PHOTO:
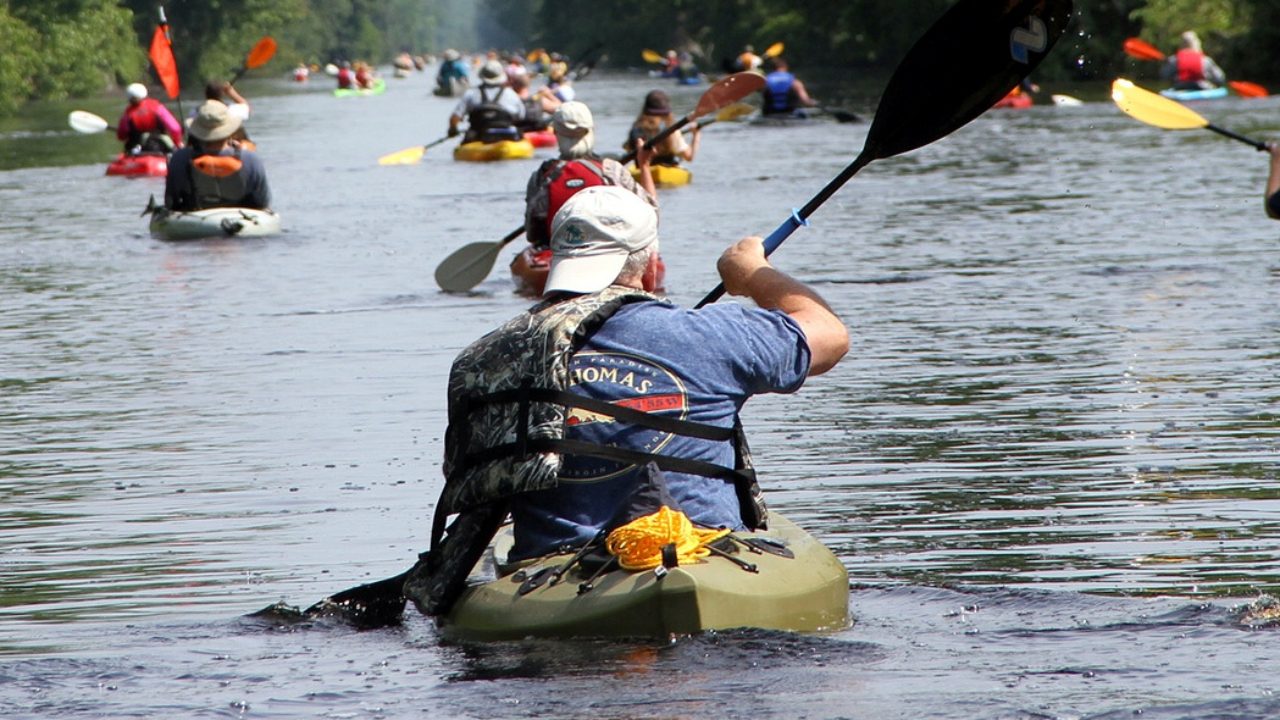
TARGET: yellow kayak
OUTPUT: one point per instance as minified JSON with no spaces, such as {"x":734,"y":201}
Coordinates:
{"x":667,"y":176}
{"x":486,"y":152}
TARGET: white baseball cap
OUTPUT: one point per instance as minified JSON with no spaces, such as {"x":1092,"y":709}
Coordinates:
{"x":574,"y":129}
{"x":593,"y":233}
{"x":137,"y":91}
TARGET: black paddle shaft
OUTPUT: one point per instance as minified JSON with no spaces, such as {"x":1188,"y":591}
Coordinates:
{"x":932,"y":93}
{"x":1260,"y":146}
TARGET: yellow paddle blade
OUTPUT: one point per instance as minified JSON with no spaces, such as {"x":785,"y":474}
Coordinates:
{"x":407,"y":156}
{"x":735,"y":111}
{"x":1154,"y":109}
{"x":651,"y":56}
{"x":774,"y":50}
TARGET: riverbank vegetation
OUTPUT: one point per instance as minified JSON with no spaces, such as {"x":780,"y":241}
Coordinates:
{"x":72,"y":48}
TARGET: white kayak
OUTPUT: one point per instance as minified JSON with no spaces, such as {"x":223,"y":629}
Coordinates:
{"x":213,"y":223}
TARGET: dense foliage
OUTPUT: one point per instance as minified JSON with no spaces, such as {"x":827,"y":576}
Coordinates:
{"x":61,"y":48}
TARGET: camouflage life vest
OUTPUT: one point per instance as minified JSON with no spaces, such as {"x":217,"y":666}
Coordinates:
{"x":509,"y":401}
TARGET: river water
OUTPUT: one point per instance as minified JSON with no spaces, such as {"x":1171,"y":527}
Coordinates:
{"x":1049,"y":462}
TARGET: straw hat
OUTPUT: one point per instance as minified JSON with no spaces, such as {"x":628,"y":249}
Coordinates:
{"x":214,"y":121}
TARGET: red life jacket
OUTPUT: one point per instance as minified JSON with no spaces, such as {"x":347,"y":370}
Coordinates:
{"x":143,"y":118}
{"x":1190,"y":66}
{"x":569,"y":178}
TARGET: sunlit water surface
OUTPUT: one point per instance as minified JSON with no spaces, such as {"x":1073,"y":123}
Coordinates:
{"x":1049,"y":462}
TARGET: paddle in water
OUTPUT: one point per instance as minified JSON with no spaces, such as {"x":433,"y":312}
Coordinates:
{"x":1001,"y":43}
{"x":410,"y":156}
{"x":1162,"y":112}
{"x":469,"y":265}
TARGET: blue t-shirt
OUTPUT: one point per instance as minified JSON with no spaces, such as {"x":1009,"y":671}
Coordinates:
{"x":696,"y":365}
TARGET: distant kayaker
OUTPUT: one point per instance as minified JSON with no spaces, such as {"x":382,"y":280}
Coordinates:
{"x":537,"y":109}
{"x":523,"y":439}
{"x":346,"y":77}
{"x":558,"y":88}
{"x":491,"y":110}
{"x":453,"y":77}
{"x":655,"y":116}
{"x":784,"y":94}
{"x":301,"y":72}
{"x":146,"y":124}
{"x":1272,"y":194}
{"x":577,"y":168}
{"x":748,"y":60}
{"x":213,"y":172}
{"x":1190,"y":68}
{"x":364,"y":75}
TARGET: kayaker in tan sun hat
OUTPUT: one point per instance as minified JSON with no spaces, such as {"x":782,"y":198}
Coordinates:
{"x":212,"y":172}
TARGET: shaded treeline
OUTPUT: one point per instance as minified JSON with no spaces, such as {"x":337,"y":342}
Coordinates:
{"x":1244,"y":35}
{"x":53,"y":49}
{"x":69,"y":48}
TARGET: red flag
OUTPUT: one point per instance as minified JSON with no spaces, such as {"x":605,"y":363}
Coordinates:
{"x":162,"y":60}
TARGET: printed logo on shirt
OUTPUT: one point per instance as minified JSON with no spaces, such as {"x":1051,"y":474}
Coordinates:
{"x":628,"y":381}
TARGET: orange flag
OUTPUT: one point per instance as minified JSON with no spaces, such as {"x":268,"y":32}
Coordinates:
{"x":162,"y":59}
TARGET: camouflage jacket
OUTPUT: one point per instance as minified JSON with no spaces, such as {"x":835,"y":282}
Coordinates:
{"x":509,"y":401}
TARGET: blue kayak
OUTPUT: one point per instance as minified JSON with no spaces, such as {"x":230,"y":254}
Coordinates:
{"x":1206,"y":94}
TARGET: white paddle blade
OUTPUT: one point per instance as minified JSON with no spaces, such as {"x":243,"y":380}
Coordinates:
{"x":1066,"y":101}
{"x":86,"y":122}
{"x":467,"y":267}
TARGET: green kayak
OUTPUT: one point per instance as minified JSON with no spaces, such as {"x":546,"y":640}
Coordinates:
{"x":780,"y":579}
{"x":379,"y":86}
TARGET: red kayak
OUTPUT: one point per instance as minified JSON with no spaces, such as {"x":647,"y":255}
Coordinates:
{"x":1018,"y":101}
{"x":541,"y":138}
{"x":529,"y":271}
{"x":140,"y":165}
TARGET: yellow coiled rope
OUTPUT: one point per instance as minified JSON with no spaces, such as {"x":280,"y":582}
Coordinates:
{"x":638,"y":544}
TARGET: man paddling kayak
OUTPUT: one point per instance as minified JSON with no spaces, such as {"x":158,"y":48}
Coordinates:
{"x":555,"y":415}
{"x":147,"y":125}
{"x":213,"y":172}
{"x":491,"y":110}
{"x":784,"y":94}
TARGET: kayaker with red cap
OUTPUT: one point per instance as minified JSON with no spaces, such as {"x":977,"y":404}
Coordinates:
{"x":147,"y":125}
{"x":554,"y":415}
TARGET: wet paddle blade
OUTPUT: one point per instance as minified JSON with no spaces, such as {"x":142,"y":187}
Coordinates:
{"x":650,"y":56}
{"x":1154,"y":109}
{"x":1002,"y":42}
{"x":1141,"y":49}
{"x":774,"y":50}
{"x":407,"y":156}
{"x":373,"y":605}
{"x":734,"y":111}
{"x":727,"y":91}
{"x":86,"y":122}
{"x":261,"y":53}
{"x":468,"y":266}
{"x":1066,"y":100}
{"x":1244,"y":88}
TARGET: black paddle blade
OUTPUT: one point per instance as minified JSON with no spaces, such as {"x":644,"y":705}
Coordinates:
{"x":373,"y":605}
{"x":970,"y":58}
